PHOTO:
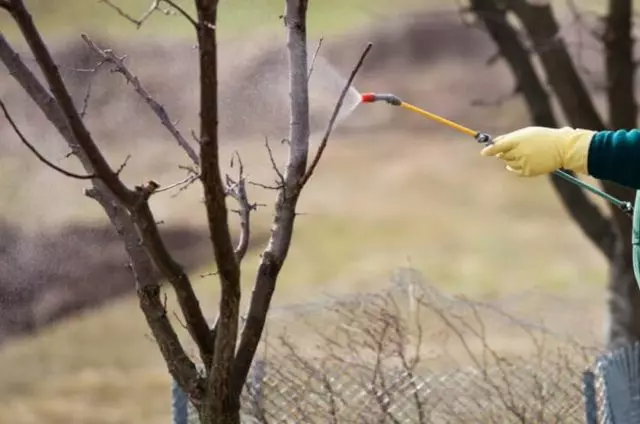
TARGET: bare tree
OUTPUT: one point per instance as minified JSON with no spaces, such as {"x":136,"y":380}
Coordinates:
{"x":541,"y":38}
{"x":225,"y":349}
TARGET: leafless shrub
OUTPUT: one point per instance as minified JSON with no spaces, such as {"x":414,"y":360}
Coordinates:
{"x":427,"y":358}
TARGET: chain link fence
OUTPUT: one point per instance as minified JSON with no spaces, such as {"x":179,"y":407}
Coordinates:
{"x":412,"y":354}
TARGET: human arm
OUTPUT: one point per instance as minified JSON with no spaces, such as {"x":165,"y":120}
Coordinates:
{"x":606,"y":155}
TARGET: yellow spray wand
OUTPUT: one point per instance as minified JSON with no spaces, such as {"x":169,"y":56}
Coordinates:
{"x":486,"y":139}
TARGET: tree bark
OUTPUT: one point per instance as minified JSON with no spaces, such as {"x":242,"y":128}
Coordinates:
{"x":220,"y":405}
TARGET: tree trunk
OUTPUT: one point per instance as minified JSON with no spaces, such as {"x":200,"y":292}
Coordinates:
{"x":229,"y":415}
{"x":624,"y":297}
{"x":623,"y":320}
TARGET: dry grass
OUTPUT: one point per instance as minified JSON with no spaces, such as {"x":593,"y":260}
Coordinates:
{"x":381,"y":198}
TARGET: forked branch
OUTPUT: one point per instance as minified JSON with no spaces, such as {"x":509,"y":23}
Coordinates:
{"x":295,"y":177}
{"x":154,"y":7}
{"x":238,"y":191}
{"x":80,"y":132}
{"x":108,"y":56}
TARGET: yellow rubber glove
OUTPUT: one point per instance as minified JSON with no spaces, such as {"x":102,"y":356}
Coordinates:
{"x":533,"y":151}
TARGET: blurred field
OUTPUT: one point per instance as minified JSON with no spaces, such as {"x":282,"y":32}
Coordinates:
{"x":236,"y":17}
{"x":393,"y":190}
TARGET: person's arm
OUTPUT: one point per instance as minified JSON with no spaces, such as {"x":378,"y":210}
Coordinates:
{"x":615,"y":156}
{"x":606,"y":155}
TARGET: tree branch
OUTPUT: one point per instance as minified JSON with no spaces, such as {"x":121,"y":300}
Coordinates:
{"x":182,"y":184}
{"x":237,"y":190}
{"x":109,"y":57}
{"x":622,"y":107}
{"x":214,"y":194}
{"x":80,"y":132}
{"x":315,"y":56}
{"x":179,"y":365}
{"x":35,"y":151}
{"x":285,"y":208}
{"x":593,"y":223}
{"x":134,"y":201}
{"x":182,"y":12}
{"x":543,"y":29}
{"x":155,"y":5}
{"x":334,"y":115}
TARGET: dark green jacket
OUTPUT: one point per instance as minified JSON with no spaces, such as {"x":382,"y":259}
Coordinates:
{"x":615,"y":156}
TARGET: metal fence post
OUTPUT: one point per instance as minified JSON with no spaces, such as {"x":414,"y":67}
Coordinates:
{"x":589,"y":391}
{"x":256,"y":379}
{"x":179,"y":404}
{"x":621,"y":375}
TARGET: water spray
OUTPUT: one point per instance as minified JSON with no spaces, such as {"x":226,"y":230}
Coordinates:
{"x":486,"y":139}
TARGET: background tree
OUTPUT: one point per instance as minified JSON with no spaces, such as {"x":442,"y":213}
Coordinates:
{"x":225,"y":350}
{"x":540,"y":40}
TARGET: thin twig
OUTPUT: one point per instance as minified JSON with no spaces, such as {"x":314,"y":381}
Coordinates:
{"x":155,"y":5}
{"x":157,"y":108}
{"x":265,"y":186}
{"x":274,"y":165}
{"x":182,"y":12}
{"x":237,"y":190}
{"x":123,"y":165}
{"x":186,"y":181}
{"x":35,"y":151}
{"x":334,"y":116}
{"x":85,"y":101}
{"x":315,"y":56}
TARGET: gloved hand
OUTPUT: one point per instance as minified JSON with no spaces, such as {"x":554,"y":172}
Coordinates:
{"x":533,"y":151}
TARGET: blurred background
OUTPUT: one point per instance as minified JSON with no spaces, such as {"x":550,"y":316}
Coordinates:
{"x":393,"y":190}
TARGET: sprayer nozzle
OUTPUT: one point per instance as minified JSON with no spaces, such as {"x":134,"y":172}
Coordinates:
{"x":377,"y":97}
{"x":368,"y":97}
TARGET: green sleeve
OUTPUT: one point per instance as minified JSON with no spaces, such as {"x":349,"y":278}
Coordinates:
{"x":615,"y":156}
